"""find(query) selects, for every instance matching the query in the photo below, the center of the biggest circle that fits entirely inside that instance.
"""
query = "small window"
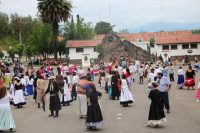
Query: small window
(165, 47)
(79, 50)
(174, 47)
(185, 46)
(193, 46)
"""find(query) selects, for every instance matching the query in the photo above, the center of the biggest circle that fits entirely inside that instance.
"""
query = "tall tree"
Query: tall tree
(4, 24)
(54, 11)
(80, 30)
(102, 28)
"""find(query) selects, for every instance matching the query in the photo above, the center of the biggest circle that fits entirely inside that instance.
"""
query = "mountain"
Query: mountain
(157, 26)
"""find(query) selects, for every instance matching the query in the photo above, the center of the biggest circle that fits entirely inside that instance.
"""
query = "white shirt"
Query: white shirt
(124, 83)
(152, 76)
(181, 72)
(23, 81)
(132, 68)
(75, 79)
(30, 82)
(164, 84)
(108, 77)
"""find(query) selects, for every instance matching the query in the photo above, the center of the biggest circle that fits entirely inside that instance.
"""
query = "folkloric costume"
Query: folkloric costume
(94, 116)
(18, 99)
(180, 82)
(66, 99)
(55, 105)
(126, 96)
(198, 92)
(190, 81)
(6, 118)
(156, 112)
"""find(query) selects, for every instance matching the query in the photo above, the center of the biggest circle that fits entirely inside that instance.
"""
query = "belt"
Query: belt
(81, 92)
(53, 94)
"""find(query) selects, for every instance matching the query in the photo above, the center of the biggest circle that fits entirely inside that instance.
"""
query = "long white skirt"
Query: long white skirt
(126, 96)
(67, 96)
(6, 118)
(18, 98)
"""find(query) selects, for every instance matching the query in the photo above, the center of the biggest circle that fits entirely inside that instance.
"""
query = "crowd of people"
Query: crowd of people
(67, 84)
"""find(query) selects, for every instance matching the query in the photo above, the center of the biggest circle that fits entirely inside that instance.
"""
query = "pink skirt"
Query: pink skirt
(198, 93)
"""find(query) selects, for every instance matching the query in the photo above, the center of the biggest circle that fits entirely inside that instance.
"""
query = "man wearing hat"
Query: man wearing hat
(53, 89)
(82, 89)
(164, 87)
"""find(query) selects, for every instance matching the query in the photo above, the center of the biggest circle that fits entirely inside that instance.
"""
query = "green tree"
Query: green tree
(40, 40)
(124, 31)
(1, 54)
(196, 31)
(53, 12)
(62, 49)
(152, 42)
(4, 24)
(80, 30)
(102, 28)
(100, 50)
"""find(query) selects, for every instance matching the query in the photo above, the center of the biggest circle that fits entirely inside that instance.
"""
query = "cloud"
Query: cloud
(122, 13)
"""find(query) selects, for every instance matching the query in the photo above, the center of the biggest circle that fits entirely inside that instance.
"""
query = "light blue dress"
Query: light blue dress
(6, 118)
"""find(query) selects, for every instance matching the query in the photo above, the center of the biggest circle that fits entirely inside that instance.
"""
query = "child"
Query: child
(156, 112)
(198, 92)
(171, 74)
(126, 96)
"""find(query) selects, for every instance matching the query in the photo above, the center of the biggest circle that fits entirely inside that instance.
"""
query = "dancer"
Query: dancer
(18, 99)
(126, 96)
(6, 118)
(94, 117)
(156, 112)
(114, 82)
(190, 80)
(198, 92)
(180, 82)
(53, 89)
(66, 99)
(40, 90)
(164, 87)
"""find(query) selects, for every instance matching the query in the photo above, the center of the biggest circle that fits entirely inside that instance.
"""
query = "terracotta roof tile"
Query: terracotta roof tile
(177, 39)
(82, 43)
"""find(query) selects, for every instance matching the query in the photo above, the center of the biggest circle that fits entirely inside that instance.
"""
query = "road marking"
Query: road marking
(119, 118)
(119, 114)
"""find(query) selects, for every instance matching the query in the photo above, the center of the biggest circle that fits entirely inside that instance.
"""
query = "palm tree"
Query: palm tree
(54, 11)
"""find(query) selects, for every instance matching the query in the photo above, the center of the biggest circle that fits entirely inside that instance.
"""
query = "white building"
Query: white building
(81, 52)
(177, 45)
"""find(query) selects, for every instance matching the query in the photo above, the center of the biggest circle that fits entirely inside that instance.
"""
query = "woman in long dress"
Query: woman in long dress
(180, 82)
(6, 118)
(190, 80)
(198, 92)
(94, 117)
(30, 85)
(18, 99)
(126, 96)
(66, 99)
(156, 112)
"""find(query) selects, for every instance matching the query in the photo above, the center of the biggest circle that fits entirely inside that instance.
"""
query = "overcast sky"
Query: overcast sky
(122, 13)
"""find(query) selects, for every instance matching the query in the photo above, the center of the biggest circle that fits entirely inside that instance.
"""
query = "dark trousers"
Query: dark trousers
(165, 100)
(115, 92)
(171, 77)
(56, 112)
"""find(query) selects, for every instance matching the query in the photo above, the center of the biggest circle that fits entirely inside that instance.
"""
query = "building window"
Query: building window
(95, 49)
(185, 46)
(79, 50)
(193, 46)
(165, 47)
(174, 47)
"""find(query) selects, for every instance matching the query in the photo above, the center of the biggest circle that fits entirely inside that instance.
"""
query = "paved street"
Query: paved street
(184, 116)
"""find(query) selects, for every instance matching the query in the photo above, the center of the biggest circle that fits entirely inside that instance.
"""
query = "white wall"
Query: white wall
(89, 51)
(142, 45)
(178, 52)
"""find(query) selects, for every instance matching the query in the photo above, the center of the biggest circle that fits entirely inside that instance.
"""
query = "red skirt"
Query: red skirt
(189, 82)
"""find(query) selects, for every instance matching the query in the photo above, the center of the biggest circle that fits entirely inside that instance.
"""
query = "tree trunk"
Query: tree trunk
(55, 35)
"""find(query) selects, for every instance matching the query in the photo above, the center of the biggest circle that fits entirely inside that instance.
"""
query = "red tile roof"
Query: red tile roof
(83, 43)
(146, 36)
(177, 39)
